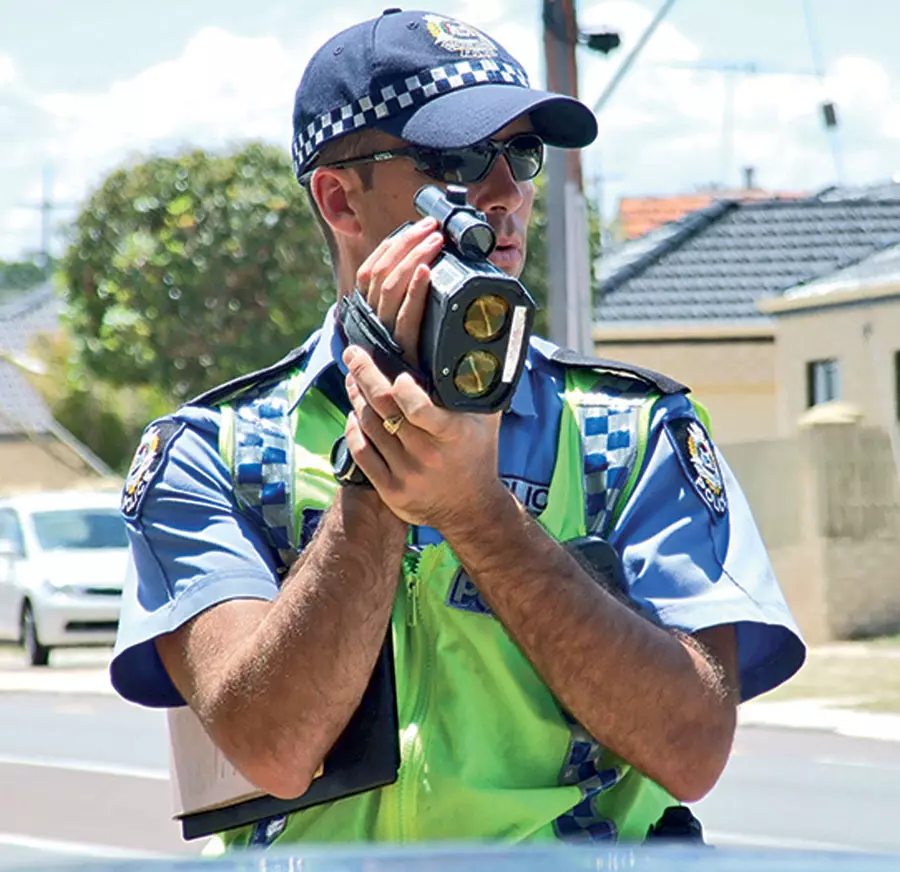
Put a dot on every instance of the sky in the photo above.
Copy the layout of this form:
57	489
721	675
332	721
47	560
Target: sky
87	85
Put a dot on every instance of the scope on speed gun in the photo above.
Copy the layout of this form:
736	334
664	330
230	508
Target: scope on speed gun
475	329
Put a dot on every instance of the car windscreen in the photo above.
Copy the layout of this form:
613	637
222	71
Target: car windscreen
79	529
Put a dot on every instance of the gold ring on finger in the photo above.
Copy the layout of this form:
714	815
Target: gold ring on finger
393	424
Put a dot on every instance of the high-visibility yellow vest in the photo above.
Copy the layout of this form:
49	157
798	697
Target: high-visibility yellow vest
486	750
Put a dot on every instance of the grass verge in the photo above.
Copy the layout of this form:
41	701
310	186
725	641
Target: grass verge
860	675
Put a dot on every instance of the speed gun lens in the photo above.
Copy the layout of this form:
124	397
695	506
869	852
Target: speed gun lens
476	373
486	317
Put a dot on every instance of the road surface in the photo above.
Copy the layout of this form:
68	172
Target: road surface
84	774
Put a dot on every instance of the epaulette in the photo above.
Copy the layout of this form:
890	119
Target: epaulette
240	385
662	383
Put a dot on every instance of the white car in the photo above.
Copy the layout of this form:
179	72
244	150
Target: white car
63	559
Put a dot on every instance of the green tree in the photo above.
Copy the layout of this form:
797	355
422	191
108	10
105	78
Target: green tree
20	275
186	271
534	276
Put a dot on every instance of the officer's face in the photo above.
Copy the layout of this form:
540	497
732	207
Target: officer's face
506	202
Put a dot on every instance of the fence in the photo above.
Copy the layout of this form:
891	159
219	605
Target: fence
827	504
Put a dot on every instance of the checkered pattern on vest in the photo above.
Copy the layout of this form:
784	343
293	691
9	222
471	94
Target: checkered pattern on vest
399	95
583	768
264	464
608	421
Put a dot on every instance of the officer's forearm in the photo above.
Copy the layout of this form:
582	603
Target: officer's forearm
276	702
657	700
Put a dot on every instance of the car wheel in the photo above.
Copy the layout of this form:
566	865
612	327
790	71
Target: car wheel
38	654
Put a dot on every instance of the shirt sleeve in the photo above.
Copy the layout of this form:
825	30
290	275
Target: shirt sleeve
692	553
191	548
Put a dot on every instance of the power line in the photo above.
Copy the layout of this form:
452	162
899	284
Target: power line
730	71
631	57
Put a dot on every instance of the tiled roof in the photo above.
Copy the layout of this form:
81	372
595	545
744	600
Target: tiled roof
640	215
876	271
713	265
22	408
26	316
877	191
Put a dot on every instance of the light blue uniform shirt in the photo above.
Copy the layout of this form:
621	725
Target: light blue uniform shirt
192	547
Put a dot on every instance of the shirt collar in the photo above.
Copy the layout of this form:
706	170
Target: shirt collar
329	347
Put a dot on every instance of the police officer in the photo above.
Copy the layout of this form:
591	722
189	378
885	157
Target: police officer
533	702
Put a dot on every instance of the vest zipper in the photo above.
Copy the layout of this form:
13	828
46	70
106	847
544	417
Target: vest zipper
411	740
412	591
411	580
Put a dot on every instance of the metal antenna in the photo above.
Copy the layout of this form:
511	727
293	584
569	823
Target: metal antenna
829	113
731	70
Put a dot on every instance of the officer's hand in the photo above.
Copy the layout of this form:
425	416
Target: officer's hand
394	280
439	467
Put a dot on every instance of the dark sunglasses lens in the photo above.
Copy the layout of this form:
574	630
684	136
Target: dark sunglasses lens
526	157
454	165
466	166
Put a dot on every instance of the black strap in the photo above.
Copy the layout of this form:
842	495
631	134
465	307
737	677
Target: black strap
361	326
662	383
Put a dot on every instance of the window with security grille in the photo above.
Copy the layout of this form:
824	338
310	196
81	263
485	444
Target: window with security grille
823	381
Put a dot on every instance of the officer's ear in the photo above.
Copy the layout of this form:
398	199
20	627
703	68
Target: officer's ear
333	190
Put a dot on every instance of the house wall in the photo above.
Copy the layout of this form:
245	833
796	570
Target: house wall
39	463
734	379
863	337
827	504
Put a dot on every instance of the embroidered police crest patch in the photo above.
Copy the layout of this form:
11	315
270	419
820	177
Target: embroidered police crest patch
147	461
698	459
460	38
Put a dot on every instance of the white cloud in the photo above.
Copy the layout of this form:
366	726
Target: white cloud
8	73
671	130
664	130
221	86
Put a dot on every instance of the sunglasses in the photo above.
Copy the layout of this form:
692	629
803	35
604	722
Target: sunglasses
524	153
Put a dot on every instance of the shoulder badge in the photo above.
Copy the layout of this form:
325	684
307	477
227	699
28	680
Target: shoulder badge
454	36
697	456
147	461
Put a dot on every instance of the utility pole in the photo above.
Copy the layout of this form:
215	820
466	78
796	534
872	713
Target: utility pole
47	206
568	251
568	247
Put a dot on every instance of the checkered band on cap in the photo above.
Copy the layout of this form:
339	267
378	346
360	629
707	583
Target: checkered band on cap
402	94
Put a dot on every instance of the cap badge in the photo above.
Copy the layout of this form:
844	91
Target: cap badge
466	41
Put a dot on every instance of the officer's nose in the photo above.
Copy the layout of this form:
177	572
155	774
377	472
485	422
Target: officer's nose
499	191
